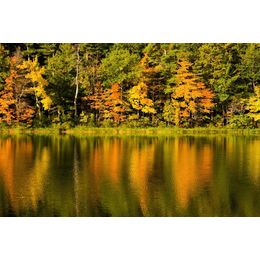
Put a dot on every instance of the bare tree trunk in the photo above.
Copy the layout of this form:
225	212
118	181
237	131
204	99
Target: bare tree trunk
59	114
38	106
17	108
224	115
77	84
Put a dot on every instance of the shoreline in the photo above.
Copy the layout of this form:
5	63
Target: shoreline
119	131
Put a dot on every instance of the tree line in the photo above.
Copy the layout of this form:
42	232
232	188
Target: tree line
130	84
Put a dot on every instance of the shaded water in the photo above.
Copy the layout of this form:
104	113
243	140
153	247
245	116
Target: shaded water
129	176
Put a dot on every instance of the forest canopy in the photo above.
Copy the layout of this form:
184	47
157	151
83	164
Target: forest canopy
130	84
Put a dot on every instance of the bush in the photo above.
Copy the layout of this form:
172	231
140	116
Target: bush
240	121
162	124
107	123
145	121
83	118
91	120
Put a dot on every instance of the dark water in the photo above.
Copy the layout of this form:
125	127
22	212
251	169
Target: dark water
129	176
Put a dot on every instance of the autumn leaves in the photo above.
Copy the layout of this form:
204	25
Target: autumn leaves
189	98
25	79
183	85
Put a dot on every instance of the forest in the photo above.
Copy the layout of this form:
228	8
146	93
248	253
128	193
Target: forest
182	85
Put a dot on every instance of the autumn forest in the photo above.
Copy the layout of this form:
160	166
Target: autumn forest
130	85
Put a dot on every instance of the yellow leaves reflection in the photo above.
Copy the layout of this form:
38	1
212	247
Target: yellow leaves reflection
37	177
113	157
22	174
141	165
253	162
134	176
192	167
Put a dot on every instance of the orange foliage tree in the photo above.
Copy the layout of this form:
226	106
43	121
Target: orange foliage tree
115	106
15	104
7	105
152	77
96	101
108	103
190	97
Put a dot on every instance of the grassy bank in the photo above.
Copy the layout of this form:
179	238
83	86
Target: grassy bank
131	131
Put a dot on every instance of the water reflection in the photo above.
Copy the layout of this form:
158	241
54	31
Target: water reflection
129	176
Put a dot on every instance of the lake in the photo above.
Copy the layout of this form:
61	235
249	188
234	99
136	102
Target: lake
65	175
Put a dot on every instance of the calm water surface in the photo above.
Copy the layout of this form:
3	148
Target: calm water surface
129	176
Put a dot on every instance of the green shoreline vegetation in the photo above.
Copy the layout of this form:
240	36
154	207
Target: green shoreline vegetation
136	87
124	131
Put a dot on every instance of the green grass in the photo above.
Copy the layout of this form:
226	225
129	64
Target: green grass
167	131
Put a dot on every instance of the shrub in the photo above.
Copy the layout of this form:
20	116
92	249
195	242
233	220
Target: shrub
240	121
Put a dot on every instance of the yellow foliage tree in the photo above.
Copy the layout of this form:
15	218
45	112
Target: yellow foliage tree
139	100
253	105
190	96
35	74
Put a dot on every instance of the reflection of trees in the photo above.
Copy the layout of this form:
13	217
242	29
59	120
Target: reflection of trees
36	182
112	159
23	173
90	176
234	189
140	167
253	162
7	165
112	176
184	170
60	196
192	167
104	171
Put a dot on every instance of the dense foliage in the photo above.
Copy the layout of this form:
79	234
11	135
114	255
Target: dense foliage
135	85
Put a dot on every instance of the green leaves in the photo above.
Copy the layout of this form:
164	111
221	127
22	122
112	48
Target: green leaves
120	67
217	64
4	62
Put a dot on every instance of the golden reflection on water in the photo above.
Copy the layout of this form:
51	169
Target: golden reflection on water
192	167
254	163
140	167
134	176
23	175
